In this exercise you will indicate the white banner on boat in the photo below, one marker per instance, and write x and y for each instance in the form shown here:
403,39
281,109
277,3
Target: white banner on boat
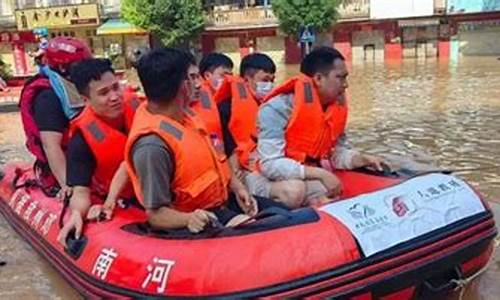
400,213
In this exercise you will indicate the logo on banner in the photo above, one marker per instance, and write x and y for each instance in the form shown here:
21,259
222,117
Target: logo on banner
359,211
399,206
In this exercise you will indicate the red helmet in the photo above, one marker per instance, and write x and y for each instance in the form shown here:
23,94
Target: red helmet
65,50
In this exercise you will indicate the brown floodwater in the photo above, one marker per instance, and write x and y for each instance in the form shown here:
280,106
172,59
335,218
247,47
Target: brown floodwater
420,114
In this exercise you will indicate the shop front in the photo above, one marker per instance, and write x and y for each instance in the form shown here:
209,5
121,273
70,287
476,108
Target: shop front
79,21
14,48
420,37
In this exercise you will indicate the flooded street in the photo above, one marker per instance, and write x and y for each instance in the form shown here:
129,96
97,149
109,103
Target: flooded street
430,113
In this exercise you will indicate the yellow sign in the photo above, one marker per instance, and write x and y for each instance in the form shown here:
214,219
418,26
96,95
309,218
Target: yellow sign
57,16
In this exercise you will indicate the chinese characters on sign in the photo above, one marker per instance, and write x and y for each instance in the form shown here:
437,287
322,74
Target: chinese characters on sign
53,17
158,274
30,210
103,263
42,220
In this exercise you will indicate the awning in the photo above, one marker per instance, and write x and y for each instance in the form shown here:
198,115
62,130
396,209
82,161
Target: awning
118,26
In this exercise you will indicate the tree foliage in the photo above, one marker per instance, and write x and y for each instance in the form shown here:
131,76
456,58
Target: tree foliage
5,70
320,14
174,22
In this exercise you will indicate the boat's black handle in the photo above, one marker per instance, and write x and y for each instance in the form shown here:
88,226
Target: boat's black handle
74,246
388,172
266,213
449,285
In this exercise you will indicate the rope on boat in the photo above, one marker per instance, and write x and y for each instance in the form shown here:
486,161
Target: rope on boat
66,200
461,284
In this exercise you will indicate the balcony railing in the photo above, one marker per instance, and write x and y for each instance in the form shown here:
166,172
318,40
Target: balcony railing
224,16
354,9
255,16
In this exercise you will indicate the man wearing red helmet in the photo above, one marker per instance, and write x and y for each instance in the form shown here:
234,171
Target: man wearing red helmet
47,103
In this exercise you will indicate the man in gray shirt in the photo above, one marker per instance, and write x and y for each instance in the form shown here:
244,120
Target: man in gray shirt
326,68
178,176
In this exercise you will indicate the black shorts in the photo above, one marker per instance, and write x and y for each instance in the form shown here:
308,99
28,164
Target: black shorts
232,209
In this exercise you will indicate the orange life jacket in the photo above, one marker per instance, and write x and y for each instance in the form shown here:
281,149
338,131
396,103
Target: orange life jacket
132,95
311,132
208,87
201,174
206,110
107,145
244,110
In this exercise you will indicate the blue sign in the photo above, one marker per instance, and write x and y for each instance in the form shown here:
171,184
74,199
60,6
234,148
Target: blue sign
306,34
41,31
471,6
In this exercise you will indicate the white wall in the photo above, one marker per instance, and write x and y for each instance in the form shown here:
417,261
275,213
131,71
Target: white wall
272,46
386,9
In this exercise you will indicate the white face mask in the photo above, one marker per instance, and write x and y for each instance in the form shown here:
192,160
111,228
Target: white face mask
263,88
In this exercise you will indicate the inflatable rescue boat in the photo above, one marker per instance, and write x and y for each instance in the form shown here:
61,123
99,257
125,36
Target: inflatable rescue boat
388,236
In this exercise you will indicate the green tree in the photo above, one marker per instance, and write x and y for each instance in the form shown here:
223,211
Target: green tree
174,22
5,70
320,14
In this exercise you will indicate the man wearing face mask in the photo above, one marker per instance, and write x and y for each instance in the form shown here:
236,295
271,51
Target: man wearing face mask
213,68
302,123
239,99
244,203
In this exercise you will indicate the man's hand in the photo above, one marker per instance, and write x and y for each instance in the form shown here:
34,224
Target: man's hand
331,183
372,161
198,219
106,210
247,203
110,203
75,222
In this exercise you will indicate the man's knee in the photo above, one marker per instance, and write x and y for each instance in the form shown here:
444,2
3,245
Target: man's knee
292,193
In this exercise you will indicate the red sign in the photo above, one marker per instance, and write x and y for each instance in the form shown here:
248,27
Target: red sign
17,37
20,59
